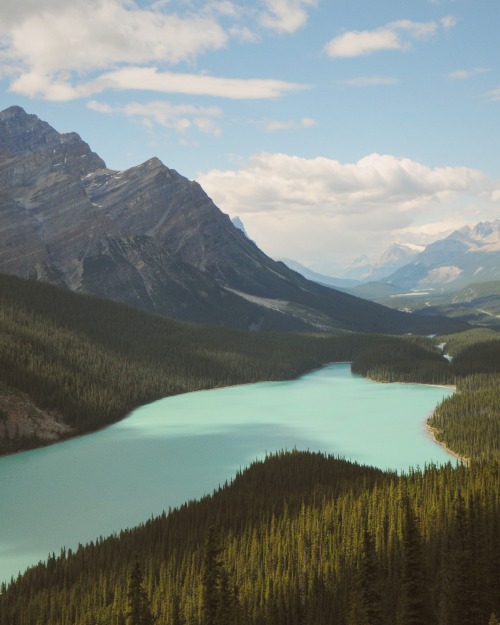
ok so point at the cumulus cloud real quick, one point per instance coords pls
(334, 210)
(54, 46)
(359, 43)
(396, 35)
(178, 117)
(286, 16)
(66, 50)
(98, 33)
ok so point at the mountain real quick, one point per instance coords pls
(477, 304)
(465, 256)
(237, 223)
(150, 238)
(393, 258)
(320, 278)
(364, 269)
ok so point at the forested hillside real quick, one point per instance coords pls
(87, 361)
(300, 539)
(469, 421)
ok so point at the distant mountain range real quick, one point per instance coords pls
(458, 276)
(320, 278)
(465, 256)
(150, 238)
(394, 257)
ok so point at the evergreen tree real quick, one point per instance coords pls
(370, 578)
(415, 600)
(210, 578)
(138, 610)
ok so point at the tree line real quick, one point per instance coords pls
(91, 361)
(298, 539)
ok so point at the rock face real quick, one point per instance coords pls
(466, 256)
(150, 238)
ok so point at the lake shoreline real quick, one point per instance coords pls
(200, 390)
(432, 433)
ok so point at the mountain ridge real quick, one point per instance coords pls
(150, 238)
(470, 254)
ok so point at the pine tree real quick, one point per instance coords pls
(370, 576)
(138, 610)
(210, 577)
(415, 600)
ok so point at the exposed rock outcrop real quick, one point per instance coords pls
(150, 238)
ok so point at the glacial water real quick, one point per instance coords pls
(183, 447)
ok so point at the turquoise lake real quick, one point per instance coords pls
(183, 447)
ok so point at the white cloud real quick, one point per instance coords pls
(57, 49)
(150, 79)
(393, 36)
(101, 107)
(176, 117)
(243, 34)
(286, 16)
(463, 74)
(359, 43)
(450, 21)
(275, 125)
(67, 49)
(82, 36)
(321, 208)
(195, 84)
(417, 30)
(493, 95)
(369, 81)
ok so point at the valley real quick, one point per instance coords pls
(124, 292)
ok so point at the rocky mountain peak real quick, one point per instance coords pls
(148, 237)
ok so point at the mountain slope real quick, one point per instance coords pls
(150, 238)
(71, 363)
(467, 255)
(314, 276)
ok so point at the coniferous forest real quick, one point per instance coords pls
(299, 538)
(90, 361)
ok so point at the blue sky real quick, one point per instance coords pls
(333, 129)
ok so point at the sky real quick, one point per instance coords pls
(332, 128)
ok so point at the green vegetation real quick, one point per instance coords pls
(455, 343)
(469, 421)
(92, 361)
(299, 539)
(477, 304)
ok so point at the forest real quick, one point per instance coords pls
(90, 361)
(299, 538)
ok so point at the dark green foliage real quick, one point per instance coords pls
(469, 421)
(415, 608)
(414, 360)
(212, 581)
(300, 539)
(294, 548)
(92, 360)
(138, 610)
